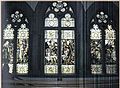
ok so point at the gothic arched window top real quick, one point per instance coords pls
(59, 8)
(17, 24)
(103, 45)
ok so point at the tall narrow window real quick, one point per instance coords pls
(68, 51)
(16, 36)
(95, 43)
(8, 47)
(103, 45)
(110, 50)
(22, 49)
(59, 41)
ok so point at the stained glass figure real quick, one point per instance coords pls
(102, 17)
(22, 49)
(8, 37)
(67, 21)
(109, 33)
(51, 52)
(95, 36)
(51, 21)
(110, 52)
(68, 52)
(96, 51)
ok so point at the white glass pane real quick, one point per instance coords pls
(95, 32)
(67, 21)
(111, 69)
(51, 34)
(51, 21)
(51, 69)
(67, 34)
(68, 69)
(96, 69)
(8, 32)
(22, 68)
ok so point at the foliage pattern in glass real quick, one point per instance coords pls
(51, 52)
(96, 67)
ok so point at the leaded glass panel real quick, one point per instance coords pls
(22, 49)
(96, 69)
(110, 52)
(95, 32)
(51, 52)
(95, 44)
(8, 47)
(51, 21)
(111, 69)
(109, 33)
(68, 52)
(67, 21)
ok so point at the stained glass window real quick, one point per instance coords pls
(59, 43)
(103, 45)
(8, 46)
(22, 49)
(68, 52)
(51, 51)
(18, 26)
